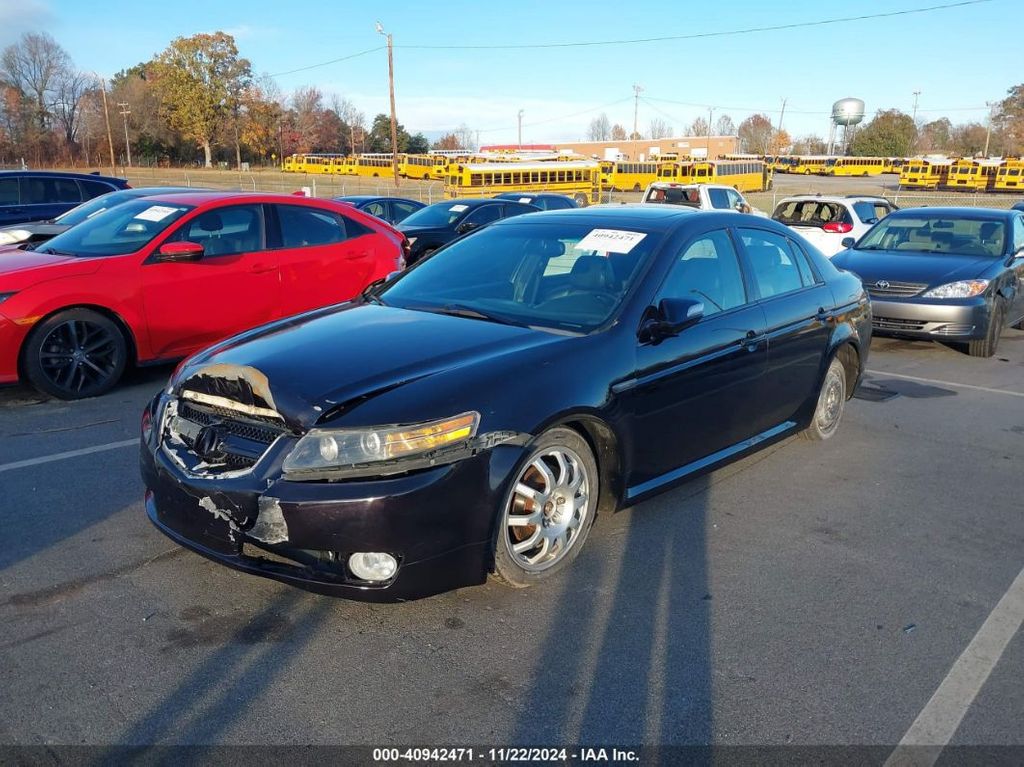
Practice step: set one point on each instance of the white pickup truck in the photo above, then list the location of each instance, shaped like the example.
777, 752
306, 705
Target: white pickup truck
699, 196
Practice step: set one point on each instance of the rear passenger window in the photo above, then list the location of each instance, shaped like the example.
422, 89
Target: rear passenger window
306, 227
707, 270
94, 188
9, 191
774, 265
39, 190
719, 199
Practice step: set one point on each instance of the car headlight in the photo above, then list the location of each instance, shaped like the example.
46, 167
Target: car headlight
365, 452
960, 289
11, 236
5, 296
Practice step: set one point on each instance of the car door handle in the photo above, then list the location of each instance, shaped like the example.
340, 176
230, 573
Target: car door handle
261, 267
824, 316
752, 340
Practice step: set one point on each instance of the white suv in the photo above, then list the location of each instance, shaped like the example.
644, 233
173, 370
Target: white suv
826, 221
700, 196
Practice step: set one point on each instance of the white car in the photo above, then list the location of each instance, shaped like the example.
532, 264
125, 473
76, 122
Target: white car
826, 221
700, 196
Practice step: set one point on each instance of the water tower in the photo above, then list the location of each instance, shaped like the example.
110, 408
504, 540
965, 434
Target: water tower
847, 113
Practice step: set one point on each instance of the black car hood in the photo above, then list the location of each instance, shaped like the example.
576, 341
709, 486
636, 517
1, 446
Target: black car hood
909, 266
311, 369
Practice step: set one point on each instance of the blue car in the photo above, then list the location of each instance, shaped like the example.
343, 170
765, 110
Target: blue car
36, 195
390, 209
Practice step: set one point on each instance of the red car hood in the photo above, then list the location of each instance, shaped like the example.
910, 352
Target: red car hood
20, 265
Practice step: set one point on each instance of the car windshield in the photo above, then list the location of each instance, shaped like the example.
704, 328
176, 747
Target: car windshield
117, 231
438, 214
940, 234
94, 206
809, 213
557, 275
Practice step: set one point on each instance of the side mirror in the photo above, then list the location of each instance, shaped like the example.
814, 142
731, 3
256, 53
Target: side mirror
465, 226
848, 242
673, 316
180, 251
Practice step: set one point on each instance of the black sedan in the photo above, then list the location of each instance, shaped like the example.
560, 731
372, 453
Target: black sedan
390, 209
542, 200
41, 231
440, 223
945, 274
475, 414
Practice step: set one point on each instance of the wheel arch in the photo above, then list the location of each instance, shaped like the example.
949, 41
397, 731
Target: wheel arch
607, 449
129, 335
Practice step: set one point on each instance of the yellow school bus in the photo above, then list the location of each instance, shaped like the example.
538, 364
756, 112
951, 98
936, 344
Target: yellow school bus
420, 165
628, 176
925, 173
854, 166
807, 165
971, 175
894, 164
312, 163
681, 172
1010, 176
369, 165
580, 179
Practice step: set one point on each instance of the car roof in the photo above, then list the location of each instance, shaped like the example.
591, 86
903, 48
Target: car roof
651, 217
361, 198
954, 212
531, 195
62, 174
201, 197
475, 202
838, 198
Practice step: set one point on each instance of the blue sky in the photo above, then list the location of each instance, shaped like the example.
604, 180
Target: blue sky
561, 89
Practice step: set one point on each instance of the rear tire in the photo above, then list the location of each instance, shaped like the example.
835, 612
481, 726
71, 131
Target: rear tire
74, 354
831, 403
986, 347
548, 512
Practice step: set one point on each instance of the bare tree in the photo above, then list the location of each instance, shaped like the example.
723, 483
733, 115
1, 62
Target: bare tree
724, 126
659, 128
466, 137
599, 129
67, 104
618, 133
35, 65
698, 127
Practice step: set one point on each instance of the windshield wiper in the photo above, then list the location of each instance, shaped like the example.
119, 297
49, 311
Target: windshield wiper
369, 293
458, 310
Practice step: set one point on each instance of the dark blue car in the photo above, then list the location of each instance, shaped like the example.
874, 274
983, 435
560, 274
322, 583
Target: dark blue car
37, 195
390, 209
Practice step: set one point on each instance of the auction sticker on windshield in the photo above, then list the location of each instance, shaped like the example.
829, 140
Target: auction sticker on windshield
610, 240
156, 213
457, 208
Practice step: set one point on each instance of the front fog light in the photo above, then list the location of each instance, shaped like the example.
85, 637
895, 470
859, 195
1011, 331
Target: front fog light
372, 565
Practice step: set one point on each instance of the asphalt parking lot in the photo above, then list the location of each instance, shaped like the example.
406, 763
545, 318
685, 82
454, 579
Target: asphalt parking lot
809, 594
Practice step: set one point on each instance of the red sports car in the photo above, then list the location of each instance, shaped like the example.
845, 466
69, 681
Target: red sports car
159, 277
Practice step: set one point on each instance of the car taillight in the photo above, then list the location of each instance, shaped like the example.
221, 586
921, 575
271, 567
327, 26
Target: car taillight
837, 227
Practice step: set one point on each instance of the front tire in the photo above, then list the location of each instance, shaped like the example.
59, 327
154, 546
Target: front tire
549, 510
831, 403
986, 347
74, 354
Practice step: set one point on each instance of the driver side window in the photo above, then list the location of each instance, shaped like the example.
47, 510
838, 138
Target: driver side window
708, 270
484, 215
224, 231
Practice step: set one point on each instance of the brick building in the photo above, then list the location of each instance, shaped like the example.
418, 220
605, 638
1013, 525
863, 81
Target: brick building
645, 149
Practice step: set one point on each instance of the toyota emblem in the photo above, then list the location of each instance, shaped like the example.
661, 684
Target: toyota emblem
882, 285
209, 444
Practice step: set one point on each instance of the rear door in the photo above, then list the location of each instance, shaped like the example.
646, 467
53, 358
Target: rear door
400, 209
10, 201
324, 257
233, 287
797, 306
46, 197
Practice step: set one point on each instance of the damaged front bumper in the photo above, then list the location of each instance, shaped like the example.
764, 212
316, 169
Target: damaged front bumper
437, 522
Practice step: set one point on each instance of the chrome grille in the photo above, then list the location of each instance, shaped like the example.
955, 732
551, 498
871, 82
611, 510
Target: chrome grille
240, 440
891, 323
893, 289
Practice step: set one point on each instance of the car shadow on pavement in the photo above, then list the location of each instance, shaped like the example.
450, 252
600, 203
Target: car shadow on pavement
639, 673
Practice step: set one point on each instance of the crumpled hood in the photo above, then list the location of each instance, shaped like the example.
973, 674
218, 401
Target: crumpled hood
907, 266
310, 367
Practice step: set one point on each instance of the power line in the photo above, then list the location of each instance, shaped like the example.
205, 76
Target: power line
699, 35
327, 63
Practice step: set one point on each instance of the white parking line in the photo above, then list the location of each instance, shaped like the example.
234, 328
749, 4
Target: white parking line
68, 454
946, 383
940, 718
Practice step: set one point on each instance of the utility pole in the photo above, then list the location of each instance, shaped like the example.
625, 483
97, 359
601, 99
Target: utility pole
106, 114
391, 89
778, 131
916, 94
520, 130
988, 132
125, 111
711, 112
636, 110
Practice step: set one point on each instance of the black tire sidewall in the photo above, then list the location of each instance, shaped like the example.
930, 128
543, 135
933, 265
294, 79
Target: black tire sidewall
505, 566
813, 431
30, 353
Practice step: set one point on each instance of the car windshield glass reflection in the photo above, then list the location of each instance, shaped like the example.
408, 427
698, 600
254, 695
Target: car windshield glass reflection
561, 276
115, 232
440, 214
941, 235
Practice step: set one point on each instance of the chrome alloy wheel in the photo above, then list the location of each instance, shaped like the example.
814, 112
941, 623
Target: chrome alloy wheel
547, 509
